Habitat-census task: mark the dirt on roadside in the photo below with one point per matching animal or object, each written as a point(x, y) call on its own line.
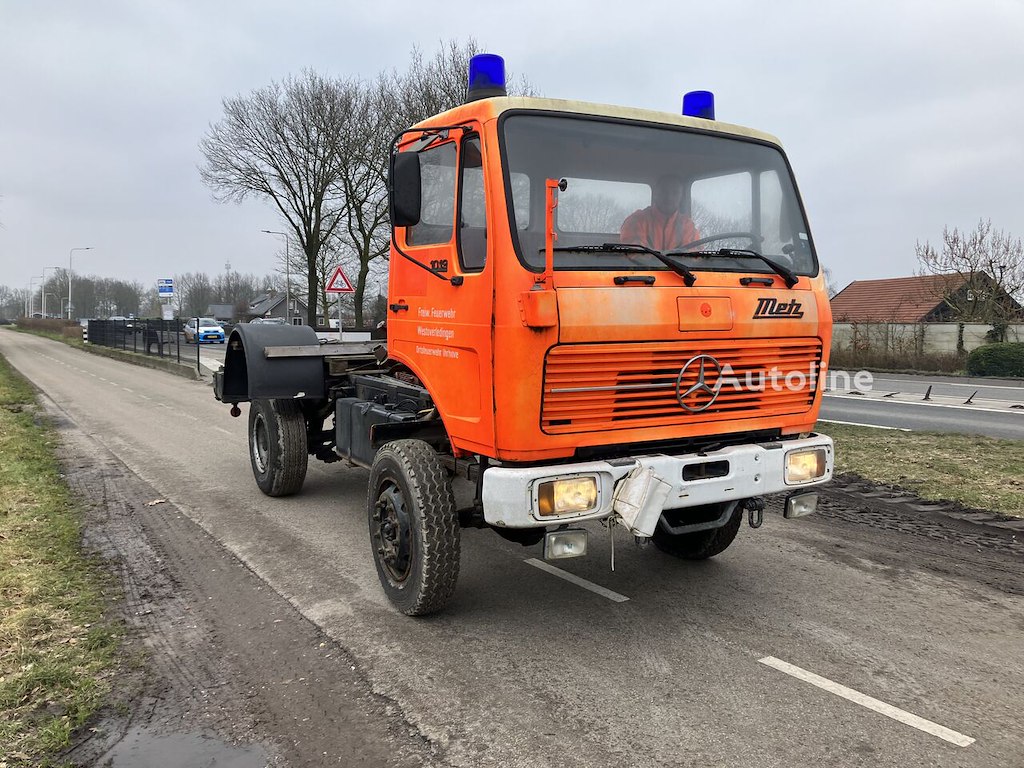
point(219, 669)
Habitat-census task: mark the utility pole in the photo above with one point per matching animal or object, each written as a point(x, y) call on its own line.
point(287, 272)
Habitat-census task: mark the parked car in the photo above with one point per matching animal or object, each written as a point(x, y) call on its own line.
point(208, 332)
point(269, 321)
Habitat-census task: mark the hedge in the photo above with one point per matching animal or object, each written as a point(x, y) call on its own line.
point(1004, 359)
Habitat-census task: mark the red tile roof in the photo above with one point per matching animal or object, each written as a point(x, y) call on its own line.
point(895, 300)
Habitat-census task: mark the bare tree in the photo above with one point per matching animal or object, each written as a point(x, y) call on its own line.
point(985, 268)
point(830, 282)
point(195, 293)
point(364, 152)
point(381, 109)
point(280, 143)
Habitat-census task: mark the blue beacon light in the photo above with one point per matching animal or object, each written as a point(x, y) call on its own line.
point(699, 104)
point(486, 77)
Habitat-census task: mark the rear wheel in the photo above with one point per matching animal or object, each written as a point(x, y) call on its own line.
point(277, 446)
point(700, 545)
point(414, 531)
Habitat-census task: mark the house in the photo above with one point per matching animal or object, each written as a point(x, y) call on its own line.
point(955, 297)
point(221, 312)
point(272, 304)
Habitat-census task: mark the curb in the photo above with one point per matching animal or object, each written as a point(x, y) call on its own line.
point(146, 361)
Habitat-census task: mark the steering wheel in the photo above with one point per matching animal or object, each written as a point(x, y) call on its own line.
point(723, 236)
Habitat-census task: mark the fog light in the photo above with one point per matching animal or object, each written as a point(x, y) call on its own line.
point(804, 466)
point(800, 505)
point(566, 496)
point(559, 545)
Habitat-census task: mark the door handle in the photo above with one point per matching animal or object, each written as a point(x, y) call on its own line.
point(399, 307)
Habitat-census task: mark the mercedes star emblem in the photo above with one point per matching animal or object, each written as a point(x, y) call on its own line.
point(701, 386)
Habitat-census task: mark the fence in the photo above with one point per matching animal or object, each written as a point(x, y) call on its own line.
point(161, 338)
point(917, 346)
point(918, 338)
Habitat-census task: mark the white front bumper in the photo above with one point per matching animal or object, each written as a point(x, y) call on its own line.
point(510, 493)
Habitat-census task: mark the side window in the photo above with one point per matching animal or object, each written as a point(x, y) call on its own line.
point(437, 207)
point(472, 208)
point(723, 204)
point(773, 224)
point(520, 183)
point(596, 206)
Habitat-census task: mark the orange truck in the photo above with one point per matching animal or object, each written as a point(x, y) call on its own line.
point(597, 316)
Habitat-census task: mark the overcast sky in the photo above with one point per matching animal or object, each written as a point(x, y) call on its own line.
point(899, 118)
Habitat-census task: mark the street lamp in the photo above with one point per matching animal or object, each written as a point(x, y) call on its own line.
point(70, 253)
point(44, 289)
point(287, 272)
point(32, 295)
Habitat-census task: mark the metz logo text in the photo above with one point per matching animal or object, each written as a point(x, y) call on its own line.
point(770, 308)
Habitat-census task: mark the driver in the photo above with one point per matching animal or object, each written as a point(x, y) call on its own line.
point(661, 225)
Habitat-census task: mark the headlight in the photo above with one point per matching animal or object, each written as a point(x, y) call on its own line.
point(563, 497)
point(804, 466)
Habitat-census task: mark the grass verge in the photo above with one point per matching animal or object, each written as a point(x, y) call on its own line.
point(57, 647)
point(979, 472)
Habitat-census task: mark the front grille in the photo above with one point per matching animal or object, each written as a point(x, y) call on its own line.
point(592, 387)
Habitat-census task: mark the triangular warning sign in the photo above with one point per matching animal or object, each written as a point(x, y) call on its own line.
point(339, 283)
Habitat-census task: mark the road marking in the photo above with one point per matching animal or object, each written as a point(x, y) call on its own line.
point(221, 429)
point(866, 701)
point(973, 408)
point(857, 424)
point(951, 384)
point(127, 390)
point(573, 579)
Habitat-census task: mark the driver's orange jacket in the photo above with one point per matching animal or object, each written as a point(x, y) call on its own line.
point(652, 228)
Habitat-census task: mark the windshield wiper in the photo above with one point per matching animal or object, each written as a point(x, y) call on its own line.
point(743, 253)
point(688, 277)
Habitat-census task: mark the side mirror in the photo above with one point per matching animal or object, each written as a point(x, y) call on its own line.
point(404, 186)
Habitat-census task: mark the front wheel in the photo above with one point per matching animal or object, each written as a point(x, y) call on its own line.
point(414, 531)
point(700, 545)
point(277, 446)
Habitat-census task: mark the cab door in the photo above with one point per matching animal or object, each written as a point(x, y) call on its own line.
point(441, 328)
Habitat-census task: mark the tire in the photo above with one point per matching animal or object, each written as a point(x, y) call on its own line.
point(702, 544)
point(277, 446)
point(414, 530)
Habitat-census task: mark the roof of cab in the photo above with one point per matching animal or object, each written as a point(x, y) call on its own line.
point(490, 108)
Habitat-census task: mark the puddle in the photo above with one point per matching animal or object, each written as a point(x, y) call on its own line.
point(142, 749)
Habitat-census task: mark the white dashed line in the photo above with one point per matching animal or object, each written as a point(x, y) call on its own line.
point(866, 701)
point(573, 579)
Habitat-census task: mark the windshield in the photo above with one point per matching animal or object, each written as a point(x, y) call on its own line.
point(206, 322)
point(666, 189)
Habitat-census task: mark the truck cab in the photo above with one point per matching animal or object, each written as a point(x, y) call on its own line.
point(596, 314)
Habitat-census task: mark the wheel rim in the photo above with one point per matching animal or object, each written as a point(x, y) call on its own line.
point(392, 533)
point(260, 443)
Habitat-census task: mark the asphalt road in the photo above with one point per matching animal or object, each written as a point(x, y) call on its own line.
point(692, 668)
point(991, 407)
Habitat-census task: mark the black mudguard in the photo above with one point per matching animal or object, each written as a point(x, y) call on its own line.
point(249, 375)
